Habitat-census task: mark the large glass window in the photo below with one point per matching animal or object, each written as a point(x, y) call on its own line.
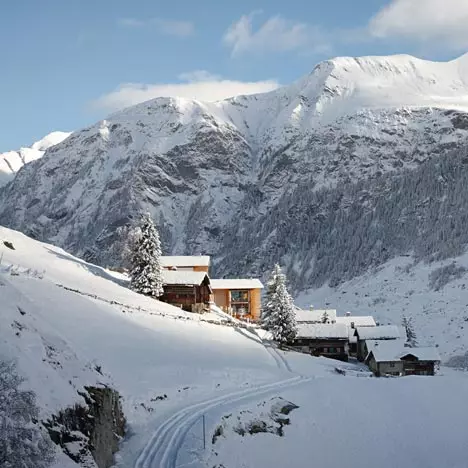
point(240, 302)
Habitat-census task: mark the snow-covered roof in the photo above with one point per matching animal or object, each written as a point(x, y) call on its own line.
point(185, 260)
point(236, 284)
point(186, 278)
point(315, 315)
point(322, 330)
point(378, 333)
point(395, 350)
point(359, 321)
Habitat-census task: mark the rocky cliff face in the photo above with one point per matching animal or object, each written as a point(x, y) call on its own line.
point(90, 435)
point(257, 179)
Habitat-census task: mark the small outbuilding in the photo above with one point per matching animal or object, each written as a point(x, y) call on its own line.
point(189, 290)
point(322, 339)
point(393, 358)
point(381, 333)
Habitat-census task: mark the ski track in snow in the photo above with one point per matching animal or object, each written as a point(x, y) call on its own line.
point(163, 448)
point(280, 360)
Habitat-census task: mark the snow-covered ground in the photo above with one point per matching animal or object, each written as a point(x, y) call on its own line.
point(68, 323)
point(144, 348)
point(439, 310)
point(354, 421)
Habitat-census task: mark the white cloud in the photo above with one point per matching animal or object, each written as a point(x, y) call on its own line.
point(276, 34)
point(199, 84)
point(164, 26)
point(443, 21)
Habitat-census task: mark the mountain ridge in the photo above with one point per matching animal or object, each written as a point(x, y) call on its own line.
point(213, 173)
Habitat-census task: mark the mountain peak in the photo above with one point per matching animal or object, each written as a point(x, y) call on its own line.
point(12, 161)
point(345, 85)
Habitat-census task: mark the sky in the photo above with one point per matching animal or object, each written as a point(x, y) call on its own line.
point(67, 64)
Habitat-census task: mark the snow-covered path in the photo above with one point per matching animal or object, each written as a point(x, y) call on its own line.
point(163, 449)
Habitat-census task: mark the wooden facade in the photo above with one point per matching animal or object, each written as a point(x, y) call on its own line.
point(190, 291)
point(240, 298)
point(322, 339)
point(406, 365)
point(333, 348)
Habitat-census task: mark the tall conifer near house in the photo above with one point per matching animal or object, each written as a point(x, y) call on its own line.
point(145, 260)
point(411, 339)
point(278, 315)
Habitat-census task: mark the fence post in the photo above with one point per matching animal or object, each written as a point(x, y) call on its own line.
point(204, 433)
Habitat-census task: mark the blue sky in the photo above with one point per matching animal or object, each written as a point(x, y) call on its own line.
point(65, 65)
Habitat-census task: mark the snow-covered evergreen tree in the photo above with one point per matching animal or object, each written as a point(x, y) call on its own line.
point(325, 317)
point(278, 316)
point(146, 270)
point(23, 442)
point(411, 340)
point(272, 286)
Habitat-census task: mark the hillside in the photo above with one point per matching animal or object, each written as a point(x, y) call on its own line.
point(12, 161)
point(358, 164)
point(69, 323)
point(211, 172)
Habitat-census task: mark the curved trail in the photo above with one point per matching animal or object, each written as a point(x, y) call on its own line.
point(280, 360)
point(163, 448)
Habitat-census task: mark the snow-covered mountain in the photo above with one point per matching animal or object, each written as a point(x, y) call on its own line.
point(317, 175)
point(12, 161)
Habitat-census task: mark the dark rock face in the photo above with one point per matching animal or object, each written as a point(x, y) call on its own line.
point(92, 432)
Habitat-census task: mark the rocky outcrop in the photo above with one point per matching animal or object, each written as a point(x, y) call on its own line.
point(90, 434)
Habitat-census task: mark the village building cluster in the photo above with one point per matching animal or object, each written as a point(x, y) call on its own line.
point(382, 347)
point(187, 284)
point(320, 332)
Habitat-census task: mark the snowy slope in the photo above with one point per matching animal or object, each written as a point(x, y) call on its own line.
point(400, 288)
point(12, 161)
point(142, 347)
point(69, 323)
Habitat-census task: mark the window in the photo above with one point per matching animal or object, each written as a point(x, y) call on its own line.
point(239, 296)
point(391, 364)
point(240, 302)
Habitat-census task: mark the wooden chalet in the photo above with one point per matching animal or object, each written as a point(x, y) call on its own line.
point(238, 297)
point(393, 358)
point(189, 290)
point(380, 333)
point(322, 339)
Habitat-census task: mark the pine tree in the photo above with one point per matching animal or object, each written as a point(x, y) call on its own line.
point(325, 318)
point(411, 340)
point(278, 315)
point(276, 277)
point(146, 270)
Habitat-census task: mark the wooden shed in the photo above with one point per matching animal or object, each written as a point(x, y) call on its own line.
point(239, 297)
point(189, 290)
point(381, 333)
point(393, 358)
point(322, 339)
